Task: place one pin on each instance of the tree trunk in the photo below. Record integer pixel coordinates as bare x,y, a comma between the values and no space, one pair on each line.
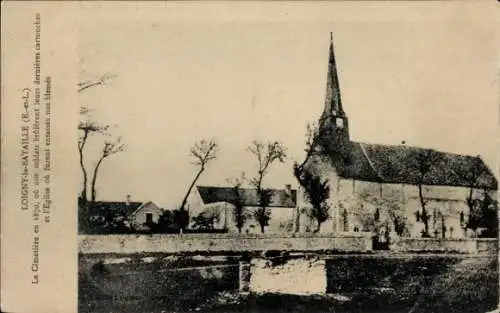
425,218
94,178
469,201
183,204
82,166
443,226
262,228
297,220
240,221
319,227
470,193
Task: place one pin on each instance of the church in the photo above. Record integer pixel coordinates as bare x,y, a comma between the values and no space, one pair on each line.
403,189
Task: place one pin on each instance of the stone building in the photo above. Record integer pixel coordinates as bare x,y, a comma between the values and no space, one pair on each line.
146,215
371,185
219,203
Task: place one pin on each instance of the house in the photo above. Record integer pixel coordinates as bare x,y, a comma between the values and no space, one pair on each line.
146,215
368,180
137,216
218,203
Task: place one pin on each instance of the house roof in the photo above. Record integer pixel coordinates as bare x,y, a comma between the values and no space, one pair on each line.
401,164
279,197
146,204
121,208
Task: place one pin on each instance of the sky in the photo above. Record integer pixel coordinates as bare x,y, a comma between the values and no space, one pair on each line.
237,73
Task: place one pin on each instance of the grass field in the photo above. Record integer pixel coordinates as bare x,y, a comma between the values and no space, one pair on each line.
413,284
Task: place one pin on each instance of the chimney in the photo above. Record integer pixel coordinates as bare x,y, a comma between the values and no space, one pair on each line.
127,201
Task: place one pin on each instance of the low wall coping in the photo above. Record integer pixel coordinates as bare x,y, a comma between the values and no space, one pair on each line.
229,236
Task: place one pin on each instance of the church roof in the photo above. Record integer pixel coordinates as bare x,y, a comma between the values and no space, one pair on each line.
412,165
279,197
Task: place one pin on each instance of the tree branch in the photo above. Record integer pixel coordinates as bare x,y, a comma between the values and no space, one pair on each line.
109,149
104,79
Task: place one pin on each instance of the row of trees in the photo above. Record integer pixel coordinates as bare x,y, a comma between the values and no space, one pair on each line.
89,128
111,144
202,153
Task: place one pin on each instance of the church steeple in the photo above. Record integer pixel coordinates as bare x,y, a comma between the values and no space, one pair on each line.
334,120
333,100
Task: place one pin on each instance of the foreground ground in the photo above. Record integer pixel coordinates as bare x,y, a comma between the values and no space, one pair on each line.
411,284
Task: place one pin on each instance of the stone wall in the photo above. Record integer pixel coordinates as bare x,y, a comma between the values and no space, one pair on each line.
446,245
487,244
128,244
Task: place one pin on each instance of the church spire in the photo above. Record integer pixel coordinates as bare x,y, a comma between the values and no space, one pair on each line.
333,122
333,101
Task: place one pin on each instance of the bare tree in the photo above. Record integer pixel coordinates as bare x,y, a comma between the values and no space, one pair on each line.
87,127
238,201
422,163
267,154
202,152
110,148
